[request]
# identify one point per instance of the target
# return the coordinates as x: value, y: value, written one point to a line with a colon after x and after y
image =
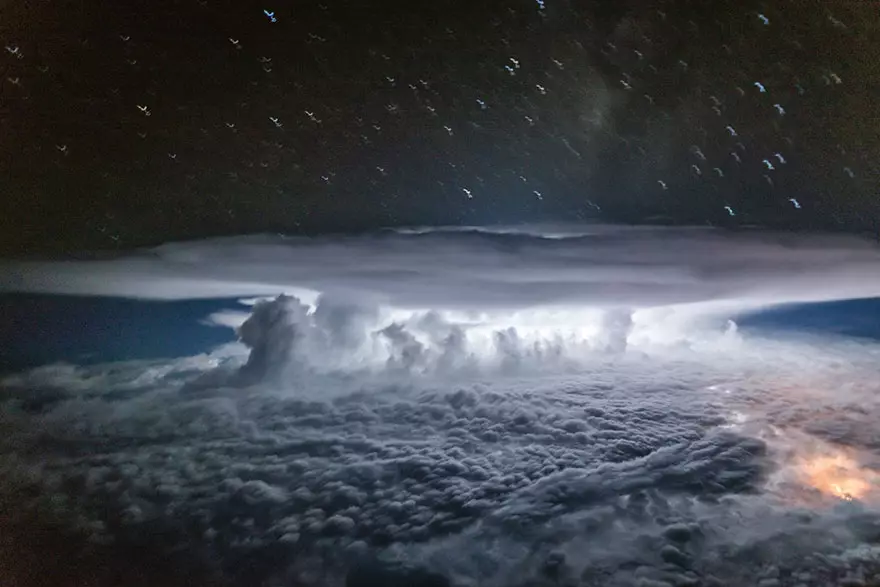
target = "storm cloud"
x: 480, y: 269
x: 512, y: 434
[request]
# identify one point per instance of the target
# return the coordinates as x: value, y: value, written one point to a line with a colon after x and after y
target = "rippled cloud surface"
x: 458, y: 408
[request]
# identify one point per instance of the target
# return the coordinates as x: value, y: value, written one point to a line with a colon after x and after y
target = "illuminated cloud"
x: 557, y: 420
x: 479, y: 269
x: 642, y: 465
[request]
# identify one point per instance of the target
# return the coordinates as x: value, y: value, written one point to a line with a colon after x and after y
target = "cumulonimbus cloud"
x: 288, y: 339
x: 472, y: 269
x: 409, y: 397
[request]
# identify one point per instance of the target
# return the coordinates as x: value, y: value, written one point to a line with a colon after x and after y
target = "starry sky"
x: 130, y: 124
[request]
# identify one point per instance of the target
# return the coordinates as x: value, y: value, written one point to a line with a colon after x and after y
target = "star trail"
x: 131, y: 125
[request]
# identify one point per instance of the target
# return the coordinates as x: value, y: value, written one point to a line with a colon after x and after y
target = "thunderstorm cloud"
x: 470, y: 407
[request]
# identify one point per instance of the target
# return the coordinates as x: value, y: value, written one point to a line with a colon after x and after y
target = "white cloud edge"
x: 469, y: 268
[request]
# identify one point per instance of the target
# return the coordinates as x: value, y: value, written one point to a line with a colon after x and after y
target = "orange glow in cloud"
x: 839, y: 475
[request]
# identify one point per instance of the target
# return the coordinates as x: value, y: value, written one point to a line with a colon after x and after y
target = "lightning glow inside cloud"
x: 472, y: 407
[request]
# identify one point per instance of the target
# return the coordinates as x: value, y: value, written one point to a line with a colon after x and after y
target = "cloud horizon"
x: 468, y: 409
x: 482, y: 268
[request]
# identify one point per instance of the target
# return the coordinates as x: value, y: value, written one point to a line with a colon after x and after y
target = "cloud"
x: 466, y: 408
x: 633, y: 469
x: 461, y: 301
x: 289, y: 339
x: 479, y: 269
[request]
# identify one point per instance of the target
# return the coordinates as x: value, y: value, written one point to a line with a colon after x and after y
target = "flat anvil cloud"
x: 481, y: 269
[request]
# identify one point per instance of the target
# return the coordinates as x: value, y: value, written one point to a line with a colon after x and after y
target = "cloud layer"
x: 684, y: 467
x: 459, y: 408
x: 478, y: 269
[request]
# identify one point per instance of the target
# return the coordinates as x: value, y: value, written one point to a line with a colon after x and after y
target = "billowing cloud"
x: 418, y: 409
x: 668, y: 467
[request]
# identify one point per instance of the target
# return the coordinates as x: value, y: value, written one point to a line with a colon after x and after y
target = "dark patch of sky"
x: 124, y: 125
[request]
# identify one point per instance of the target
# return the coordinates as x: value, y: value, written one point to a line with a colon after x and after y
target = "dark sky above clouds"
x: 124, y: 124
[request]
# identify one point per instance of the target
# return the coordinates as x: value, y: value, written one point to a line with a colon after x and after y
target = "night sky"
x: 125, y: 124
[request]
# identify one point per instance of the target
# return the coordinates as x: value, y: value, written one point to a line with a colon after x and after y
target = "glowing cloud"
x: 840, y: 475
x: 478, y: 269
